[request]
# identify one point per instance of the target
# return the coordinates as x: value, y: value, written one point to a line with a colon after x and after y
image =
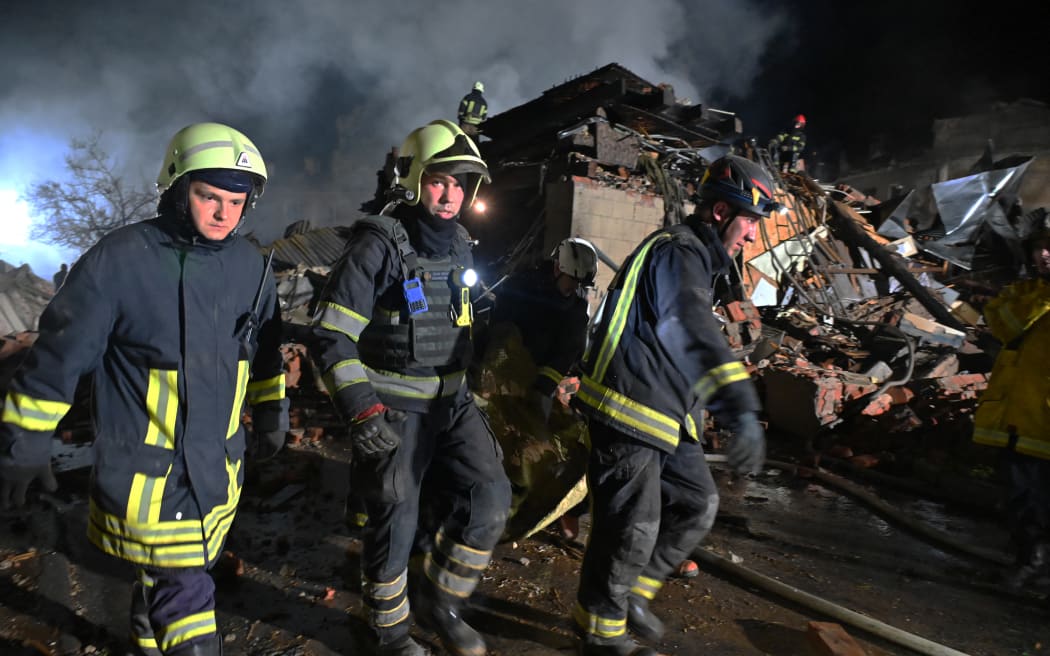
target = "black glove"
x: 266, y: 444
x: 377, y: 435
x: 15, y: 480
x: 747, y: 450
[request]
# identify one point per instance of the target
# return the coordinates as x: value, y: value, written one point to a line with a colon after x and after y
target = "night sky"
x: 140, y: 71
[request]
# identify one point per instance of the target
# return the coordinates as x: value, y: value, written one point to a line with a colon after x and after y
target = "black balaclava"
x: 431, y: 236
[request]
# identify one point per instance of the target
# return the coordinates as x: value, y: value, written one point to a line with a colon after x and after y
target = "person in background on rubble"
x: 393, y: 337
x: 60, y: 276
x: 655, y: 354
x: 1014, y: 411
x: 472, y: 110
x: 787, y: 147
x: 177, y: 317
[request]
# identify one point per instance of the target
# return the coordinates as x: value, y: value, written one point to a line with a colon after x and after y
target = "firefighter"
x: 1013, y: 413
x: 472, y: 110
x: 787, y: 147
x: 656, y: 354
x: 548, y: 304
x: 538, y: 333
x: 177, y: 320
x: 393, y: 335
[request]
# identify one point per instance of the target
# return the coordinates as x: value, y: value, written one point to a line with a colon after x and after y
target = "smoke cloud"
x: 309, y: 79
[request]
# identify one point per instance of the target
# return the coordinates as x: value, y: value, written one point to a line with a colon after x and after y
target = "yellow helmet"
x: 211, y: 146
x: 440, y: 147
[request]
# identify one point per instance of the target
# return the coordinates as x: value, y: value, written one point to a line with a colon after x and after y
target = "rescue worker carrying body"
x: 787, y: 147
x: 537, y: 334
x: 472, y: 110
x: 393, y: 337
x: 656, y: 353
x: 548, y: 305
x: 1014, y: 411
x: 177, y: 320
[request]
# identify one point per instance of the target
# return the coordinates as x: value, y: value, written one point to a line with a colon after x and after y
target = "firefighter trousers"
x: 649, y: 510
x: 173, y: 611
x: 457, y: 453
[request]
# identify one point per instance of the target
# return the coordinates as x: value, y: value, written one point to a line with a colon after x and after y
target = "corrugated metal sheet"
x: 320, y: 247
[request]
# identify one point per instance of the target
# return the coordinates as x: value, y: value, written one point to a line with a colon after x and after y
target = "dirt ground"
x: 292, y: 586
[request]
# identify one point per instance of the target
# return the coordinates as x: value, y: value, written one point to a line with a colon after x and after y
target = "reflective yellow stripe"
x: 332, y: 316
x: 388, y: 618
x: 238, y: 398
x: 647, y: 587
x: 145, y: 497
x: 385, y: 591
x: 602, y: 627
x: 460, y: 553
x: 344, y: 374
x: 270, y: 389
x: 990, y: 437
x: 145, y: 643
x: 33, y: 414
x: 185, y: 629
x: 720, y: 376
x: 415, y: 387
x: 1033, y: 447
x: 553, y: 374
x: 162, y: 405
x: 618, y: 321
x: 450, y: 582
x: 217, y: 523
x: 690, y: 427
x: 631, y: 413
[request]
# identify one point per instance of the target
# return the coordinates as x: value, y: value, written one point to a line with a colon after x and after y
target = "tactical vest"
x: 396, y: 339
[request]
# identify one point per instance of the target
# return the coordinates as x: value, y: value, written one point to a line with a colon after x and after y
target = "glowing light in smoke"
x: 14, y: 214
x: 480, y: 206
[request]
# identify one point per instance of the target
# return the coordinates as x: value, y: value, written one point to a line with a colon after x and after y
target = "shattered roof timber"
x: 628, y: 100
x: 320, y: 247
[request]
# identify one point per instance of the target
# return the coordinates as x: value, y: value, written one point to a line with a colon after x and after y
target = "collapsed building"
x: 860, y: 318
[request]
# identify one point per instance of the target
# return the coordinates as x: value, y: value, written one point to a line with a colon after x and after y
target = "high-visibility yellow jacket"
x: 1016, y: 404
x: 158, y: 318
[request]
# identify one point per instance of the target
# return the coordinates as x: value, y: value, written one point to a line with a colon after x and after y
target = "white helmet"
x: 478, y: 86
x: 577, y: 258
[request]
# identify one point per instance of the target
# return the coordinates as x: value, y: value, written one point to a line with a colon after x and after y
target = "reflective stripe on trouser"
x: 181, y: 607
x: 386, y: 601
x: 463, y: 465
x: 688, y: 506
x: 141, y: 631
x: 454, y: 569
x: 623, y: 476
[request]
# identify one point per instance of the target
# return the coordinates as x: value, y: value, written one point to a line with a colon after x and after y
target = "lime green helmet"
x: 211, y: 146
x: 440, y: 147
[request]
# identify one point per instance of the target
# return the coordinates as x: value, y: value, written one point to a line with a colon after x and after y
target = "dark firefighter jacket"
x: 792, y: 142
x: 367, y: 343
x: 1015, y: 409
x: 473, y: 108
x: 157, y: 320
x: 553, y: 327
x: 656, y: 351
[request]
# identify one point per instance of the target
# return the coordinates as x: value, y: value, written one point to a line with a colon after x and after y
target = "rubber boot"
x: 641, y: 621
x: 458, y: 637
x: 403, y: 646
x: 625, y: 646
